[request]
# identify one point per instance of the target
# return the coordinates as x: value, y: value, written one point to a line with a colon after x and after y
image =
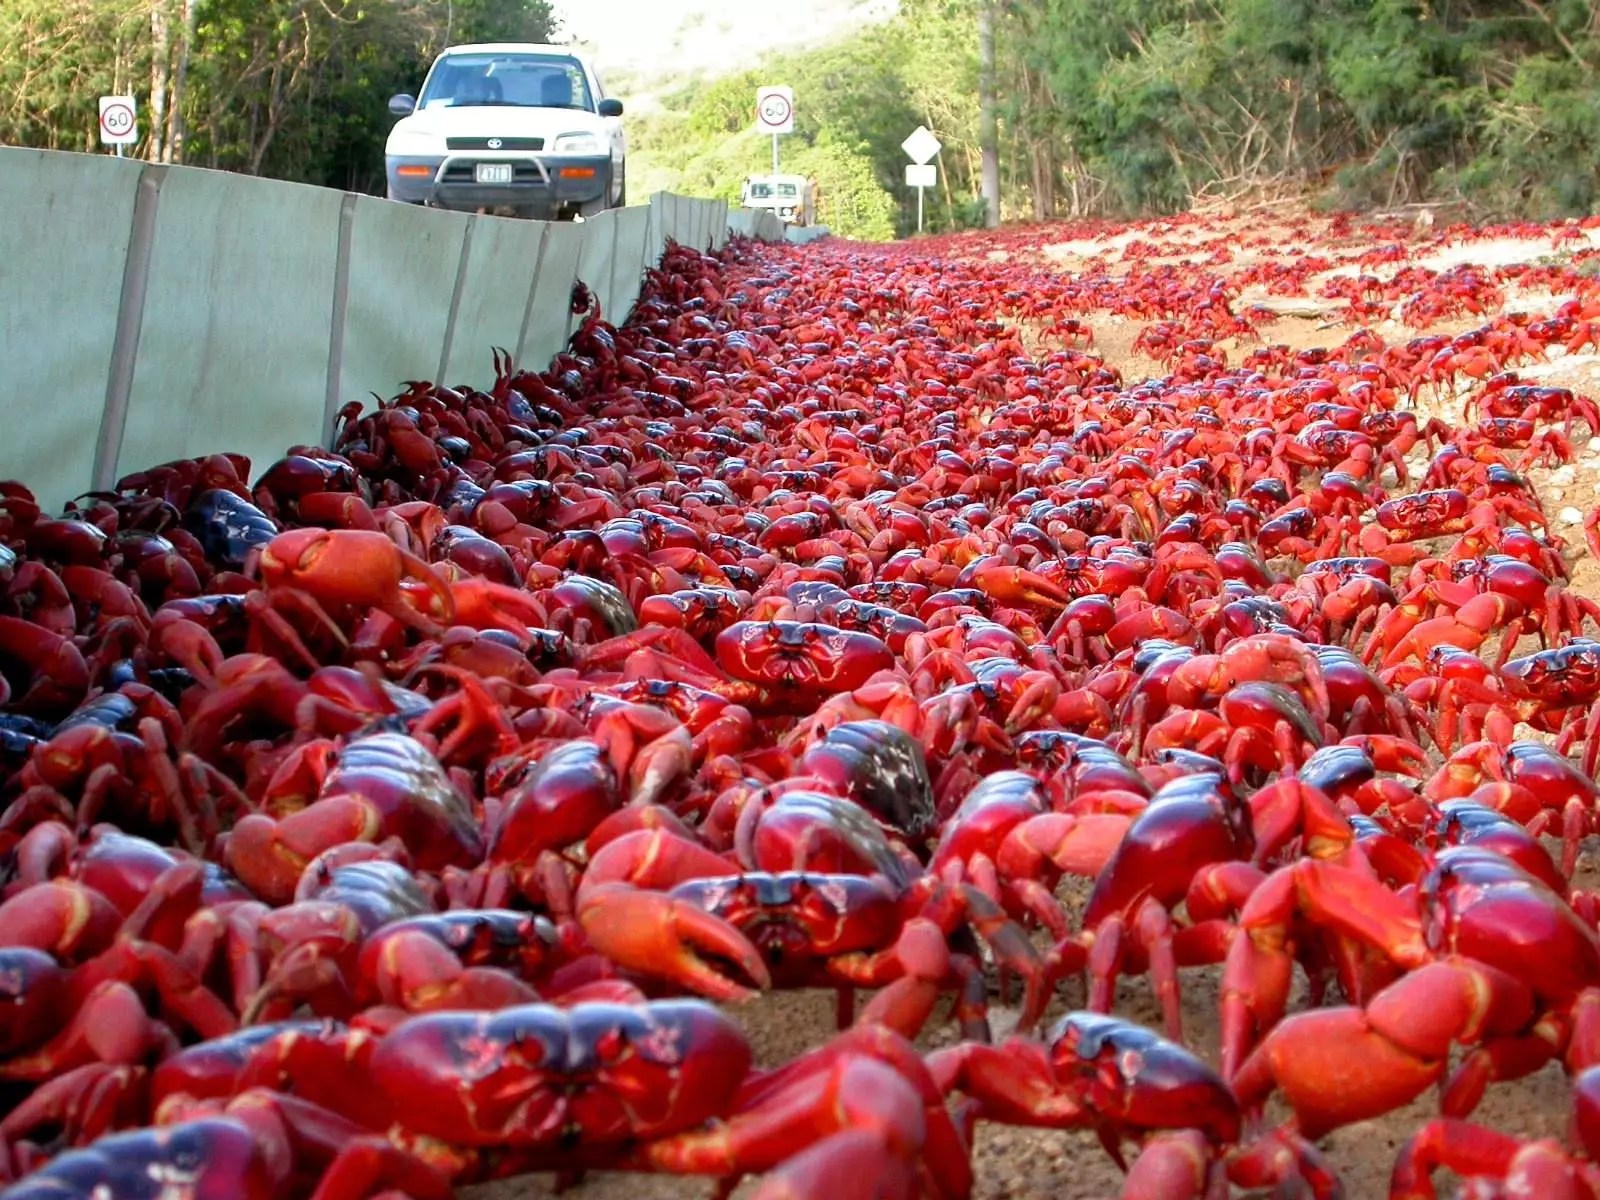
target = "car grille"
x: 510, y: 143
x: 462, y: 172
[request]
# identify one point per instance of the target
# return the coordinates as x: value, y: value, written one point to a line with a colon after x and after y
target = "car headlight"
x: 577, y: 143
x: 411, y: 141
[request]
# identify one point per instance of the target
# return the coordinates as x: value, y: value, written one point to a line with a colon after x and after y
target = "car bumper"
x: 538, y: 180
x: 788, y: 213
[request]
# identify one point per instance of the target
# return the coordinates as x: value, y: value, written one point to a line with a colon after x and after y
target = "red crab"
x: 1461, y: 937
x: 1127, y: 1083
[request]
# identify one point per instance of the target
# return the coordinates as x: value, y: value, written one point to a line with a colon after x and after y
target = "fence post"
x: 130, y: 321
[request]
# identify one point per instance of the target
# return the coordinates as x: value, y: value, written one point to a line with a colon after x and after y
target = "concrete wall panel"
x: 688, y: 218
x: 661, y: 214
x: 627, y: 267
x: 655, y: 239
x: 149, y: 313
x: 685, y: 217
x: 64, y: 239
x: 550, y: 319
x: 234, y: 345
x: 403, y: 266
x: 594, y: 262
x: 500, y: 277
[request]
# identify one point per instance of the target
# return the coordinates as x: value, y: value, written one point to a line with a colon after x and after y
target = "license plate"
x: 492, y: 173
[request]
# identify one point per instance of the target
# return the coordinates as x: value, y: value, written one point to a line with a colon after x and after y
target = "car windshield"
x: 515, y: 80
x: 760, y: 191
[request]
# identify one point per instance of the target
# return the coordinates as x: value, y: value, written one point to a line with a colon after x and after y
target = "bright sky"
x: 698, y: 34
x: 621, y: 29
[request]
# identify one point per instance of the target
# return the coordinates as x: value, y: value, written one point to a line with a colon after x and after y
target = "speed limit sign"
x: 119, y: 121
x: 775, y: 109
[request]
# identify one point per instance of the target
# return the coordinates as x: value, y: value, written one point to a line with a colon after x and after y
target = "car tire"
x: 590, y: 209
x: 622, y: 190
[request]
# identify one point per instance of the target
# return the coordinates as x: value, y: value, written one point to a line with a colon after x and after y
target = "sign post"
x: 119, y: 122
x: 920, y: 147
x: 921, y: 176
x: 775, y: 115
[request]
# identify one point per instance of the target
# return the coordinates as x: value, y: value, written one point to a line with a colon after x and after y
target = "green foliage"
x: 296, y: 89
x: 854, y: 203
x: 1150, y: 104
x: 857, y: 108
x: 56, y: 58
x: 1540, y: 153
x: 723, y: 106
x: 1105, y: 106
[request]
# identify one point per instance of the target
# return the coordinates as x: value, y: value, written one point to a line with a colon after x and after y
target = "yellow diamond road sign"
x: 921, y: 146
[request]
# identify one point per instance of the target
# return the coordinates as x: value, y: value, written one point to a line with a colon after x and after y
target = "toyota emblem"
x: 495, y: 143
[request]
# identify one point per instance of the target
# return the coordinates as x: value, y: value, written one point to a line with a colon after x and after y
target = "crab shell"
x: 803, y: 656
x: 535, y: 1075
x: 797, y: 920
x: 1134, y: 1078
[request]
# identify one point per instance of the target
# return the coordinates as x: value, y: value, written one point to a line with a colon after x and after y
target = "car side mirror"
x: 610, y: 107
x: 402, y: 105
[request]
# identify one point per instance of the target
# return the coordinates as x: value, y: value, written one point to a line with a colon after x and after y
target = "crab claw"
x: 656, y: 935
x: 358, y: 567
x: 1013, y: 585
x: 856, y: 1164
x: 1390, y: 753
x: 483, y: 604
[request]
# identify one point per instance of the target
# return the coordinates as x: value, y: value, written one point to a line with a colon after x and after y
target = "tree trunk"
x: 290, y: 62
x: 160, y: 60
x: 180, y: 75
x: 988, y: 128
x: 1044, y: 186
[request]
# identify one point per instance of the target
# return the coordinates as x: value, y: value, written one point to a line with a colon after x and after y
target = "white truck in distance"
x: 520, y: 128
x: 792, y: 197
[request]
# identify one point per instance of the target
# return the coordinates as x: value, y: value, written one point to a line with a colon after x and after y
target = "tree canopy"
x: 1108, y: 107
x: 1130, y: 107
x: 295, y: 89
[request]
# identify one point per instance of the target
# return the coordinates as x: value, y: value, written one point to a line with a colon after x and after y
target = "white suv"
x: 513, y: 126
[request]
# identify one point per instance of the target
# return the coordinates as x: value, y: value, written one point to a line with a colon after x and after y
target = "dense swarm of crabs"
x: 429, y: 810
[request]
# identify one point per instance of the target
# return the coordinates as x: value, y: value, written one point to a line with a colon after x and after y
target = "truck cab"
x: 791, y: 197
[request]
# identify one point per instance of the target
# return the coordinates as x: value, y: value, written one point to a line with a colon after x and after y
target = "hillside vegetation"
x: 1132, y: 107
x: 1107, y: 107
